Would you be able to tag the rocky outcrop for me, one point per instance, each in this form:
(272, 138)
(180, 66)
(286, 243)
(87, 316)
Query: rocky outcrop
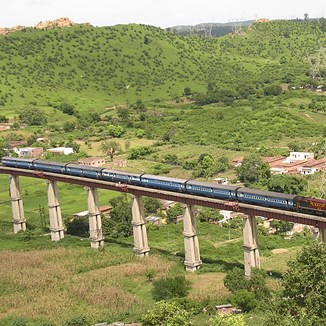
(6, 30)
(49, 24)
(262, 20)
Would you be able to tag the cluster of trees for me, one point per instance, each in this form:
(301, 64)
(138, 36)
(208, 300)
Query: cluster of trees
(253, 171)
(206, 166)
(32, 115)
(247, 294)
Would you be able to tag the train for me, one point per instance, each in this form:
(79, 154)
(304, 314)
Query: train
(238, 194)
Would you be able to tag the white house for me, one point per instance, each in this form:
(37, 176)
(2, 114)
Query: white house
(28, 151)
(298, 156)
(61, 150)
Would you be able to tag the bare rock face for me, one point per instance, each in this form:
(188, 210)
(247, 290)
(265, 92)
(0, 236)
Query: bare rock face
(7, 30)
(49, 24)
(263, 20)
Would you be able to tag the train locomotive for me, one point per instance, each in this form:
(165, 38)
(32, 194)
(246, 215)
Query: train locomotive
(199, 188)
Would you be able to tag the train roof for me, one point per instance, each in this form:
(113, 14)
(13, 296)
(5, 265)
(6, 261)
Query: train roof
(49, 162)
(266, 193)
(17, 159)
(212, 185)
(84, 167)
(121, 172)
(158, 177)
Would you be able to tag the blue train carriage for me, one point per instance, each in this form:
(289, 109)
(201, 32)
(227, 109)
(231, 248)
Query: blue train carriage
(121, 176)
(48, 166)
(15, 162)
(163, 183)
(84, 171)
(211, 189)
(266, 198)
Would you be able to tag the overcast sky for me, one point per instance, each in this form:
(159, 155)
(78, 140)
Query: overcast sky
(163, 13)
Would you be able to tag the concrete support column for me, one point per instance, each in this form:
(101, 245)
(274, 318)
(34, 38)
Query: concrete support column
(315, 232)
(139, 228)
(94, 217)
(56, 226)
(16, 204)
(318, 234)
(323, 235)
(192, 255)
(251, 252)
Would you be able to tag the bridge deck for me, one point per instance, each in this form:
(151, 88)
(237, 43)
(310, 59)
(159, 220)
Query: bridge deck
(252, 210)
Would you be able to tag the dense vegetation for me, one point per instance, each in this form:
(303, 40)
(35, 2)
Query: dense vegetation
(125, 62)
(177, 105)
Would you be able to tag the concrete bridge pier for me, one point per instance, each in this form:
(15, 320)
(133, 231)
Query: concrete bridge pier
(94, 217)
(56, 226)
(251, 252)
(318, 234)
(139, 228)
(323, 235)
(192, 254)
(18, 216)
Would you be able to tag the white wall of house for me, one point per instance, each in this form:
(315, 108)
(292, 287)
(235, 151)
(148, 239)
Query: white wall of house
(298, 156)
(61, 150)
(306, 170)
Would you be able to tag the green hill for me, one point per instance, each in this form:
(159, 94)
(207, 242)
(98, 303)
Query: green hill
(99, 66)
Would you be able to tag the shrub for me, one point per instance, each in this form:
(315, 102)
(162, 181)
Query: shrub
(164, 313)
(170, 287)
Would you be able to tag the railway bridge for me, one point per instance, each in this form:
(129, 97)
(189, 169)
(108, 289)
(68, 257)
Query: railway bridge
(191, 244)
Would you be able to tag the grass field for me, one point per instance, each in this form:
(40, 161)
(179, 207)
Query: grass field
(43, 281)
(33, 191)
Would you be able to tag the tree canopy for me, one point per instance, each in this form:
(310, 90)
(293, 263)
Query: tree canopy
(303, 300)
(32, 116)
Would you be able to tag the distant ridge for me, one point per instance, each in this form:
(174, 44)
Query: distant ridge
(210, 29)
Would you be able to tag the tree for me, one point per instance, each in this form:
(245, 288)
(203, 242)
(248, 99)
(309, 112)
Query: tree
(205, 167)
(253, 169)
(165, 313)
(187, 91)
(3, 118)
(173, 212)
(123, 114)
(139, 106)
(31, 140)
(69, 126)
(222, 164)
(170, 287)
(244, 300)
(235, 281)
(115, 131)
(272, 90)
(151, 205)
(304, 282)
(304, 294)
(110, 148)
(293, 146)
(119, 223)
(32, 116)
(281, 226)
(66, 108)
(209, 214)
(288, 184)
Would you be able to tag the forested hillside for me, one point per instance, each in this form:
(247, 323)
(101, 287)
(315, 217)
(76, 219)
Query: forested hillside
(150, 101)
(122, 63)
